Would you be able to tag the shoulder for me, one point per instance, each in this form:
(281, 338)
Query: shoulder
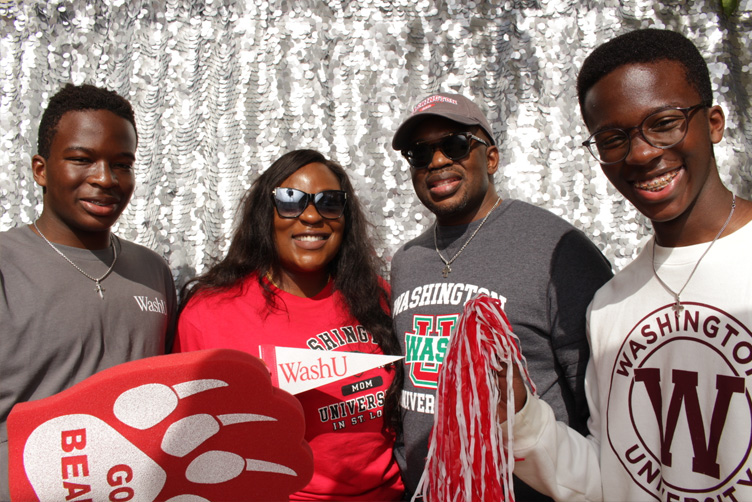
(408, 255)
(624, 283)
(141, 256)
(527, 213)
(141, 264)
(247, 290)
(137, 249)
(202, 302)
(18, 245)
(416, 244)
(543, 230)
(16, 236)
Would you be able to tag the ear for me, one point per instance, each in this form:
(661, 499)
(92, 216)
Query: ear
(717, 123)
(492, 159)
(39, 169)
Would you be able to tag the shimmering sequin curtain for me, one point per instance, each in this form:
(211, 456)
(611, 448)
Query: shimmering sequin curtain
(222, 88)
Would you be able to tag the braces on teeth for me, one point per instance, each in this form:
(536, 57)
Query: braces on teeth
(658, 183)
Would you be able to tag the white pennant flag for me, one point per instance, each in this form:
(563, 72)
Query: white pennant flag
(298, 370)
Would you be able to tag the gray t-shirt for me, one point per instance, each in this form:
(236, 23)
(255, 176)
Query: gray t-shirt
(55, 330)
(543, 270)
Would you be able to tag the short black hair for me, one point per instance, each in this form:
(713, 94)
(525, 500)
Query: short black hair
(78, 98)
(645, 46)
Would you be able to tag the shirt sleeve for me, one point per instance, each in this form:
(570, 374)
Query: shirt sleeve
(557, 460)
(172, 302)
(189, 335)
(578, 270)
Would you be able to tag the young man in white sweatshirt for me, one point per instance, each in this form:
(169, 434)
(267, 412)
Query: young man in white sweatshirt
(668, 383)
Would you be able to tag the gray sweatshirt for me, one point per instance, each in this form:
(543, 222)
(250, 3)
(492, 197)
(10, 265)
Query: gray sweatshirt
(545, 273)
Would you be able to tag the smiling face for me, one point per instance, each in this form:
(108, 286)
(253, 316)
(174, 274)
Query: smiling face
(88, 177)
(306, 244)
(456, 191)
(664, 185)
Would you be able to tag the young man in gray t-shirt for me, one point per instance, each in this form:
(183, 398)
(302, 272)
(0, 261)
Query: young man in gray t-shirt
(75, 299)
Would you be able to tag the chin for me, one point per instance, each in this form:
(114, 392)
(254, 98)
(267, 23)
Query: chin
(308, 268)
(447, 207)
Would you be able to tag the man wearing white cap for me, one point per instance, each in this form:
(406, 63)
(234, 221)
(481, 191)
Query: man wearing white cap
(543, 270)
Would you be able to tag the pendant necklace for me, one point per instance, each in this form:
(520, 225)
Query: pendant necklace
(447, 263)
(99, 289)
(678, 308)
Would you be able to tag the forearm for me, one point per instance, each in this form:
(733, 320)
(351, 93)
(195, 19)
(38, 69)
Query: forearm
(556, 460)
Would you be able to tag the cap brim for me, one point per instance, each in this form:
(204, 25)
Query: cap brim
(402, 137)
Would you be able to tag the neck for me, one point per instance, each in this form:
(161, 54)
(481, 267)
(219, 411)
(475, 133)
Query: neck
(305, 285)
(699, 223)
(59, 233)
(481, 211)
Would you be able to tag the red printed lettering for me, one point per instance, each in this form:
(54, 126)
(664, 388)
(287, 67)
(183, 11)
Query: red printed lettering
(119, 475)
(73, 440)
(75, 490)
(71, 466)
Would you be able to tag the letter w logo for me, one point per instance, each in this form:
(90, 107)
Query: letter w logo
(685, 391)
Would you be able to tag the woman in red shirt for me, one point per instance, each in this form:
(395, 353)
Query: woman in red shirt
(302, 272)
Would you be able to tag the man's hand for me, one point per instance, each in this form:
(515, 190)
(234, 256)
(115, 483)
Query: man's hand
(518, 387)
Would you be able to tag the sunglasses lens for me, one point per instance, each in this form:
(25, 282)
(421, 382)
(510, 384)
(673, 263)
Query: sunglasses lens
(455, 146)
(331, 203)
(290, 202)
(419, 155)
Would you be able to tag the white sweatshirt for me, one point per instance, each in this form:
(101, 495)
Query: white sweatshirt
(669, 396)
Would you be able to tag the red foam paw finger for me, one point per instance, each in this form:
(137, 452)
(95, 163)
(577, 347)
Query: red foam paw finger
(192, 427)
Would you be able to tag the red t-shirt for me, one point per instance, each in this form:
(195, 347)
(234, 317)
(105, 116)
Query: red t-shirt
(352, 455)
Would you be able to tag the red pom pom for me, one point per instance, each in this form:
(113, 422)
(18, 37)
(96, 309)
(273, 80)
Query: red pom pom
(467, 457)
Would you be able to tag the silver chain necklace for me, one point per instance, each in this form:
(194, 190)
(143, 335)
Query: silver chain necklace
(99, 289)
(678, 308)
(447, 263)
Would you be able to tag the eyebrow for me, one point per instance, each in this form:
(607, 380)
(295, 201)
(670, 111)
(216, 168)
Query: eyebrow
(89, 151)
(436, 140)
(649, 113)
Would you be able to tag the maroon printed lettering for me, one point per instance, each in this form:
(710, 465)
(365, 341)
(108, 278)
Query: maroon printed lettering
(685, 393)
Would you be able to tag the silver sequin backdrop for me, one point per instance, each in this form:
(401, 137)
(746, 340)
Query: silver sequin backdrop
(222, 88)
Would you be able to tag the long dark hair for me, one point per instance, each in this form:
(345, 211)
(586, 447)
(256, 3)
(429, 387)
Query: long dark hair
(355, 268)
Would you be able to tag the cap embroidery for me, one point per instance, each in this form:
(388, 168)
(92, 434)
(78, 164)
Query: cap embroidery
(432, 100)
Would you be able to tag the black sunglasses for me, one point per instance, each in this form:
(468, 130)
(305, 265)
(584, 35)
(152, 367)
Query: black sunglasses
(454, 146)
(291, 202)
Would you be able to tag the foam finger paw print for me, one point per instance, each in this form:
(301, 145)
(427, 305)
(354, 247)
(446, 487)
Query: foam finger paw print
(145, 406)
(228, 436)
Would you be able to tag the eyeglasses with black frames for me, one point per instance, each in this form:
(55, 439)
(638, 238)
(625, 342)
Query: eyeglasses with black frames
(291, 202)
(662, 129)
(454, 146)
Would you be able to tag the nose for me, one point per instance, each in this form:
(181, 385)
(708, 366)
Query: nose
(310, 215)
(439, 160)
(102, 174)
(640, 151)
